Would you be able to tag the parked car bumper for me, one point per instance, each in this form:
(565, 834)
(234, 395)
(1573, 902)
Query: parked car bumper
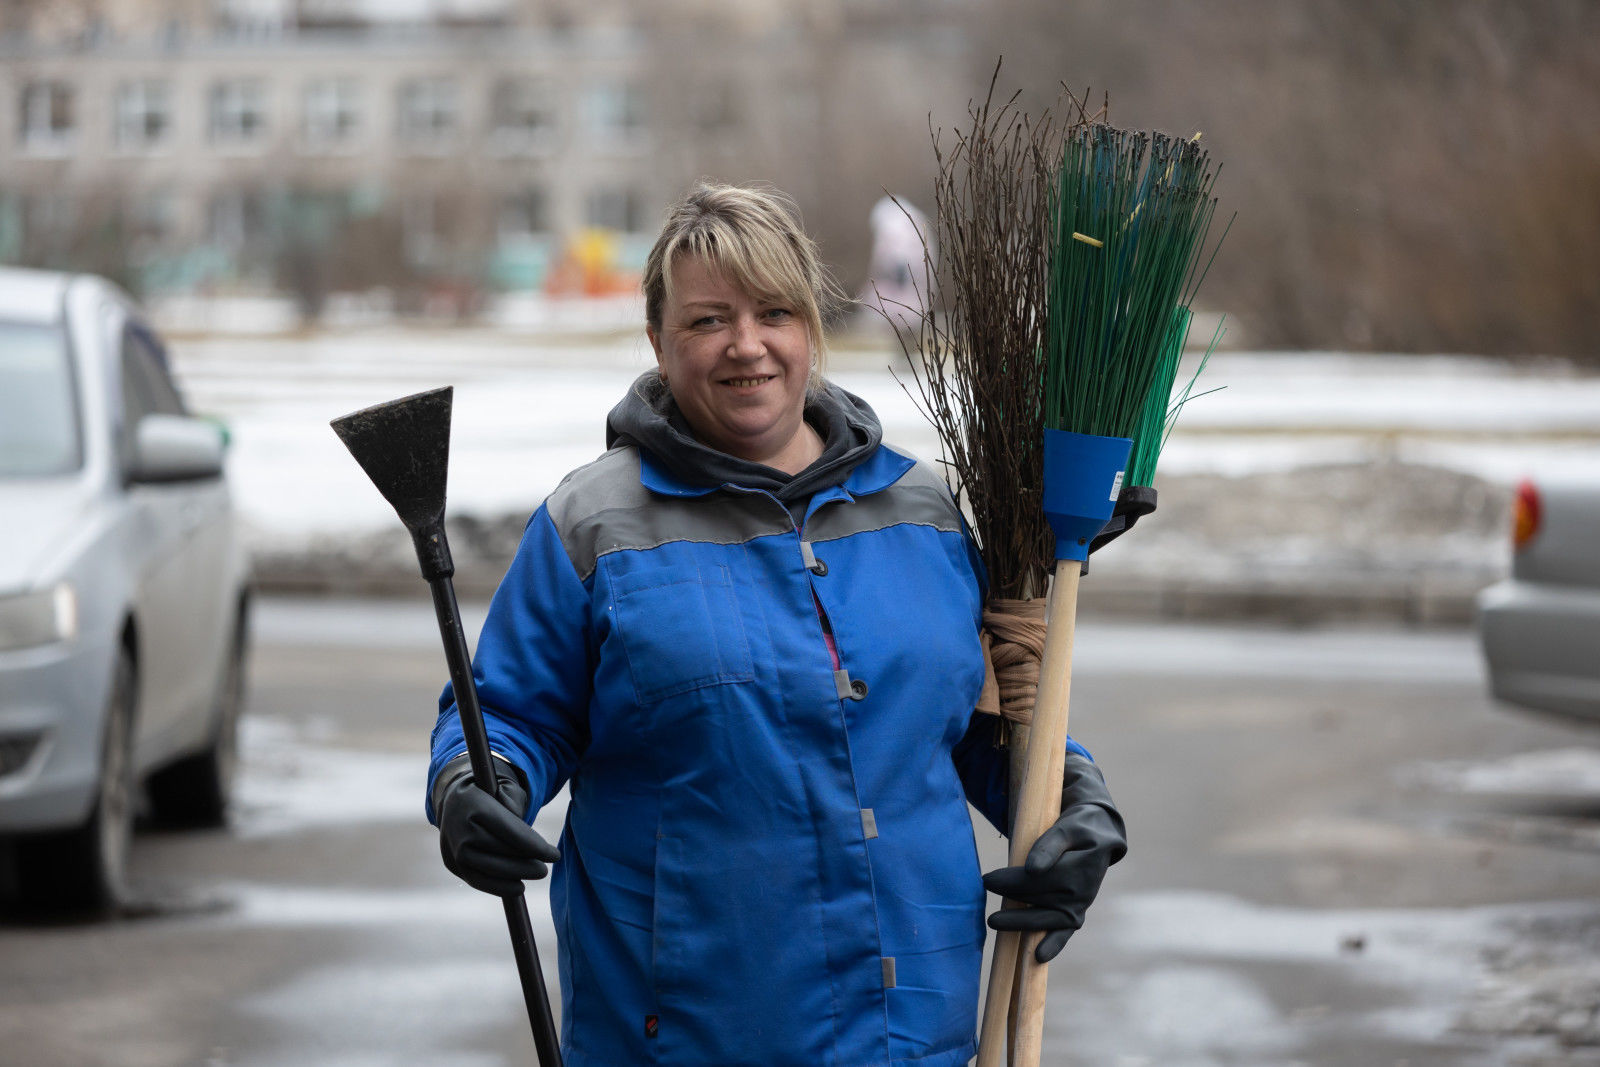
(52, 702)
(1542, 644)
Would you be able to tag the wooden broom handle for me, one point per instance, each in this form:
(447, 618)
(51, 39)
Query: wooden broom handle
(997, 1002)
(1037, 809)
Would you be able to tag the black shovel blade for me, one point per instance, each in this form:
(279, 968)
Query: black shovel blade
(404, 446)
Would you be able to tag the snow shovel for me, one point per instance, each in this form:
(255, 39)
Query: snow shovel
(404, 446)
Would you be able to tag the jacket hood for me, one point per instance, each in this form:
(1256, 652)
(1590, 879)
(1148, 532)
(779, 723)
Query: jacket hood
(649, 418)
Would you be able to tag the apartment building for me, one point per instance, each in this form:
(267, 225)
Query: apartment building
(188, 144)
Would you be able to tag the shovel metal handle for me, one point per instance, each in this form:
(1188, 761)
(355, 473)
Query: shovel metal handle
(534, 993)
(404, 447)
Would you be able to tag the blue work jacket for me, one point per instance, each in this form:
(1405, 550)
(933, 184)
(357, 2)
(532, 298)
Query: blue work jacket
(767, 861)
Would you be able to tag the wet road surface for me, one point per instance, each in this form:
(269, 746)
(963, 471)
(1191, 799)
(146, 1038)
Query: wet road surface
(1342, 854)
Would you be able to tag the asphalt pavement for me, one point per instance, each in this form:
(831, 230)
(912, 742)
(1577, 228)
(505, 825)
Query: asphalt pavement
(1342, 853)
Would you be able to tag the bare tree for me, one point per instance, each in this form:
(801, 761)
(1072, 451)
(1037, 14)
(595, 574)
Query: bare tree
(1408, 176)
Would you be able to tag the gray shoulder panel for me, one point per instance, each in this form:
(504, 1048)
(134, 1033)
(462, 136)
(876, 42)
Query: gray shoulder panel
(923, 473)
(920, 497)
(602, 508)
(610, 481)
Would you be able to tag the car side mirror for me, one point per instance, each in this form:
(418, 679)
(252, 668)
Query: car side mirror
(175, 448)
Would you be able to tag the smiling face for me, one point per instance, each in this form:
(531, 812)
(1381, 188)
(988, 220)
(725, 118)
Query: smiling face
(737, 365)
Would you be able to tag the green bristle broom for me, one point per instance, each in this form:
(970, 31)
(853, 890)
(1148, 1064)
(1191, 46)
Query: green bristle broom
(1130, 218)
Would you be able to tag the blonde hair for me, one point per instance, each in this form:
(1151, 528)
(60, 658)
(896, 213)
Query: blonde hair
(752, 236)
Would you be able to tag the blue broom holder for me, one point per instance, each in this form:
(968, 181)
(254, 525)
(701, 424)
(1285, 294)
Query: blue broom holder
(1082, 477)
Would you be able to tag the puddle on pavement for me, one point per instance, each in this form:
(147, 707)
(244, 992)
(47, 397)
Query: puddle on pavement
(1549, 798)
(292, 780)
(330, 1016)
(305, 906)
(1196, 979)
(164, 902)
(289, 782)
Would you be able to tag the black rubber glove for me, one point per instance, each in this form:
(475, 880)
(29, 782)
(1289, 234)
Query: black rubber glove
(1064, 868)
(483, 839)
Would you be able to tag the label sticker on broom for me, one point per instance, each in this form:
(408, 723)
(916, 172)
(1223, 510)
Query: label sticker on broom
(1116, 486)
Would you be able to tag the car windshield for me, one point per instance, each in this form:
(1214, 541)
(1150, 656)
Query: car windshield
(38, 406)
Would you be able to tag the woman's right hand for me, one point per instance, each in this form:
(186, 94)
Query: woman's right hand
(484, 841)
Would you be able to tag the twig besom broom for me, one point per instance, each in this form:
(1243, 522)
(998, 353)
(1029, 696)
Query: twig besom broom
(1077, 371)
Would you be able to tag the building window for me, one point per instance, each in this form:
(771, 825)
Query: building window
(331, 114)
(47, 117)
(524, 116)
(428, 113)
(523, 215)
(152, 223)
(238, 112)
(256, 18)
(419, 228)
(235, 218)
(613, 208)
(151, 229)
(614, 112)
(715, 108)
(143, 115)
(50, 218)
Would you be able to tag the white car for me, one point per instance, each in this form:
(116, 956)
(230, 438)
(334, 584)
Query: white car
(123, 597)
(1541, 626)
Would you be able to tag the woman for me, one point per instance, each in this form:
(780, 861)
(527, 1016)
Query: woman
(747, 635)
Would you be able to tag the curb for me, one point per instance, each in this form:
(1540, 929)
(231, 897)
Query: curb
(1284, 602)
(1432, 603)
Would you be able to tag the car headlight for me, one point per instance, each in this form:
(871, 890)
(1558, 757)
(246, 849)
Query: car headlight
(39, 618)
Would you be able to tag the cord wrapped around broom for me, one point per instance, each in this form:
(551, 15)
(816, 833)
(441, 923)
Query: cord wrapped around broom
(1068, 257)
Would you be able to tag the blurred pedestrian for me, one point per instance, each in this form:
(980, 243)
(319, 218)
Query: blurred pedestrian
(747, 637)
(897, 269)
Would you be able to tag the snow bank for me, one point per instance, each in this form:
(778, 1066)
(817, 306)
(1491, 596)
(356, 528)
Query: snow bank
(1364, 466)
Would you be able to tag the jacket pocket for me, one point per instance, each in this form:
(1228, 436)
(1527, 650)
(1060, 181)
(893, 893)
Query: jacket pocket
(681, 630)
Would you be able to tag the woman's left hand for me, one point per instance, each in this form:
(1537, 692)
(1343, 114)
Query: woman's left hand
(1062, 874)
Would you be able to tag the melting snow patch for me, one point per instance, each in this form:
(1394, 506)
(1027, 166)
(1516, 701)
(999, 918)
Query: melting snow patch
(1566, 773)
(1529, 971)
